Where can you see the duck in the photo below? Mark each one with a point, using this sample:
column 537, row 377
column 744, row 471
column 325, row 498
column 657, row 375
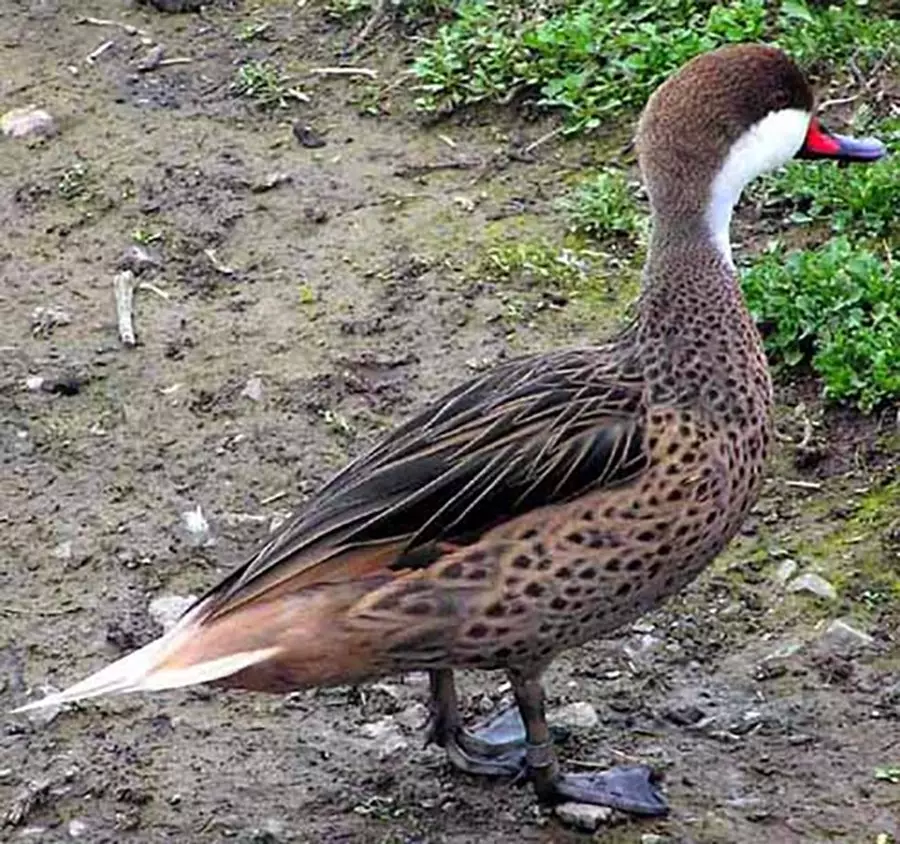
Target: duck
column 549, row 501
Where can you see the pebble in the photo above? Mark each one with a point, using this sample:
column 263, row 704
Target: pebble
column 307, row 136
column 584, row 815
column 34, row 383
column 46, row 715
column 580, row 715
column 63, row 551
column 167, row 609
column 413, row 717
column 386, row 735
column 77, row 828
column 45, row 318
column 785, row 571
column 841, row 635
column 253, row 389
column 28, row 122
column 196, row 525
column 139, row 258
column 814, row 583
column 653, row 838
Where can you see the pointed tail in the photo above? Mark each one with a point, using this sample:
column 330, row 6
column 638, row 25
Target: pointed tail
column 160, row 665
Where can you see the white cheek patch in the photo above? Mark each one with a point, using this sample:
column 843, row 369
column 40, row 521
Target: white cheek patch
column 768, row 144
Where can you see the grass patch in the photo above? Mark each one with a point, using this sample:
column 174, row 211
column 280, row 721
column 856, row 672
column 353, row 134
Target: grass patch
column 603, row 206
column 265, row 84
column 836, row 308
column 594, row 59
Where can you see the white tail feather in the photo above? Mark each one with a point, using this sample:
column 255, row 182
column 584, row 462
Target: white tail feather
column 141, row 671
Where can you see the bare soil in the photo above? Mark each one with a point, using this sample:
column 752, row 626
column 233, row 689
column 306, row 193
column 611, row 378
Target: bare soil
column 345, row 278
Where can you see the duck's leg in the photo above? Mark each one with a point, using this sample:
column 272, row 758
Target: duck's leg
column 629, row 789
column 495, row 749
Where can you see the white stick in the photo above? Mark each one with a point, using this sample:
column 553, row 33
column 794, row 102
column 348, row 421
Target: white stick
column 124, row 290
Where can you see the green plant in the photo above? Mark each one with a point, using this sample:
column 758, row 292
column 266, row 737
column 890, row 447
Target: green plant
column 595, row 58
column 888, row 774
column 73, row 183
column 838, row 308
column 253, row 30
column 603, row 206
column 263, row 82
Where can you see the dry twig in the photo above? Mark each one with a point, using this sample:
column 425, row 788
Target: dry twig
column 123, row 286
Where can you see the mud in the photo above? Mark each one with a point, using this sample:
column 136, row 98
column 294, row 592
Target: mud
column 347, row 277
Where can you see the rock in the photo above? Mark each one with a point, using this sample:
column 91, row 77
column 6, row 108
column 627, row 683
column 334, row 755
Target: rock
column 414, row 717
column 45, row 319
column 253, row 389
column 46, row 715
column 63, row 551
column 653, row 838
column 77, row 828
column 642, row 646
column 580, row 715
column 840, row 635
column 583, row 815
column 28, row 122
column 785, row 571
column 814, row 583
column 139, row 258
column 176, row 5
column 683, row 714
column 167, row 609
column 307, row 136
column 34, row 383
column 196, row 525
column 385, row 735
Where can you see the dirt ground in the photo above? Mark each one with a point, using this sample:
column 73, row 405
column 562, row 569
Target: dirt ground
column 344, row 277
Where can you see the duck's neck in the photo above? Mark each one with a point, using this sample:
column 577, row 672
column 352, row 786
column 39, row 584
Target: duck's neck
column 694, row 326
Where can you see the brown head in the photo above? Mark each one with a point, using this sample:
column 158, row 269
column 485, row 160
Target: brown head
column 726, row 117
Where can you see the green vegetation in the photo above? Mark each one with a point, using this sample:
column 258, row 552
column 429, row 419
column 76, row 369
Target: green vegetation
column 74, row 182
column 594, row 59
column 603, row 206
column 838, row 306
column 264, row 83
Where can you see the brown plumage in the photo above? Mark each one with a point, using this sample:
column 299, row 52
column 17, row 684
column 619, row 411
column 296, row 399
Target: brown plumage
column 547, row 502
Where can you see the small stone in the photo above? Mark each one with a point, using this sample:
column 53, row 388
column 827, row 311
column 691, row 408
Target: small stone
column 584, row 816
column 45, row 318
column 785, row 571
column 307, row 136
column 77, row 828
column 683, row 714
column 413, row 717
column 811, row 582
column 167, row 609
column 253, row 389
column 653, row 838
column 139, row 258
column 580, row 715
column 196, row 525
column 386, row 736
column 840, row 635
column 63, row 551
column 176, row 6
column 46, row 715
column 152, row 60
column 34, row 383
column 28, row 122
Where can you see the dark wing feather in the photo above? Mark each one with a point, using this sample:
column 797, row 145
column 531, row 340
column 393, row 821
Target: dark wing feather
column 532, row 432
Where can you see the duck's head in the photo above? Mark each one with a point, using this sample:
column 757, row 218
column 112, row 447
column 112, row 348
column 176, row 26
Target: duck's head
column 725, row 118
